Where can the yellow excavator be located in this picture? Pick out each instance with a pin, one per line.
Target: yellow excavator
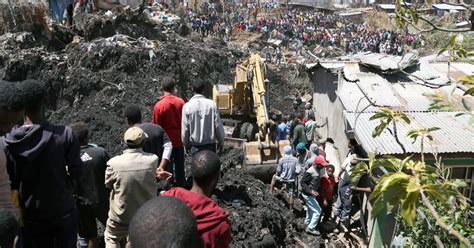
(246, 119)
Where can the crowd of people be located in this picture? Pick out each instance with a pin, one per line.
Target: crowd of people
(305, 173)
(56, 182)
(300, 28)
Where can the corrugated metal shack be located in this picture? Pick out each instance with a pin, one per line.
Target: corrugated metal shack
(348, 93)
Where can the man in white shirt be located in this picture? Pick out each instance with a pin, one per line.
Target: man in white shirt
(201, 125)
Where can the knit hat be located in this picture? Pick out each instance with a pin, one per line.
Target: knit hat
(287, 150)
(300, 147)
(313, 148)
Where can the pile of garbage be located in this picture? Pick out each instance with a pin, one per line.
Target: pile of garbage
(93, 77)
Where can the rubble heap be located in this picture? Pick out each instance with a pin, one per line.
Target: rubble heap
(94, 79)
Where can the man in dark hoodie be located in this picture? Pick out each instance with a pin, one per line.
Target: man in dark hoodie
(213, 222)
(11, 112)
(44, 158)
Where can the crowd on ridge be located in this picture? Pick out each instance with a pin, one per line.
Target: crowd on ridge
(300, 28)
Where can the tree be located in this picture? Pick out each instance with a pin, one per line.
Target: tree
(408, 185)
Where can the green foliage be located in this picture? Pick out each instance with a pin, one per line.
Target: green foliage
(405, 15)
(456, 47)
(387, 116)
(423, 132)
(421, 233)
(402, 183)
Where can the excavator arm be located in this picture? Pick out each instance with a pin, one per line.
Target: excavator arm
(256, 79)
(245, 101)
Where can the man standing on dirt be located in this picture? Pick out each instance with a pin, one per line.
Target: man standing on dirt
(201, 126)
(282, 130)
(343, 208)
(131, 179)
(287, 173)
(310, 130)
(279, 56)
(11, 112)
(91, 195)
(167, 113)
(156, 142)
(45, 159)
(310, 185)
(299, 136)
(213, 223)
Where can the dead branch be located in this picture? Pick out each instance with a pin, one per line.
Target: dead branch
(430, 23)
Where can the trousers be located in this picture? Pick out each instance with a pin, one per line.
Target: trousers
(313, 212)
(176, 166)
(343, 208)
(53, 233)
(114, 233)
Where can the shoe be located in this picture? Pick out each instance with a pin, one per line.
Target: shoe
(342, 228)
(313, 232)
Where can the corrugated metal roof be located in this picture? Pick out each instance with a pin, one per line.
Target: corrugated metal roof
(351, 72)
(388, 63)
(426, 73)
(332, 64)
(456, 69)
(352, 98)
(400, 91)
(350, 13)
(391, 6)
(409, 97)
(444, 6)
(455, 135)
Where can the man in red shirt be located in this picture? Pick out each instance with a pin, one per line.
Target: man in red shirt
(167, 114)
(212, 220)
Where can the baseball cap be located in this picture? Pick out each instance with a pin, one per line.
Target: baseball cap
(321, 161)
(134, 136)
(300, 147)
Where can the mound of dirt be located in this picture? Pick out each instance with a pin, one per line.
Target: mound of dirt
(259, 219)
(93, 81)
(123, 21)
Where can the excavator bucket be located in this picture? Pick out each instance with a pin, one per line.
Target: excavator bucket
(261, 160)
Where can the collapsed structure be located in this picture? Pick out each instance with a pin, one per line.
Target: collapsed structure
(352, 92)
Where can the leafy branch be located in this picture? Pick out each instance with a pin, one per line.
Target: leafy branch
(422, 133)
(406, 184)
(407, 15)
(387, 116)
